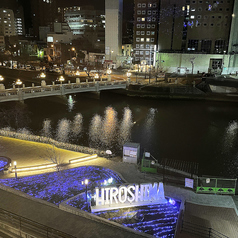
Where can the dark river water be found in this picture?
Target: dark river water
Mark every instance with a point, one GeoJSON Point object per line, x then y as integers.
{"type": "Point", "coordinates": [199, 131]}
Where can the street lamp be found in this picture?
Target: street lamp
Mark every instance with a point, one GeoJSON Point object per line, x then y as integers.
{"type": "Point", "coordinates": [96, 76]}
{"type": "Point", "coordinates": [1, 85]}
{"type": "Point", "coordinates": [109, 153]}
{"type": "Point", "coordinates": [128, 74]}
{"type": "Point", "coordinates": [109, 74]}
{"type": "Point", "coordinates": [15, 166]}
{"type": "Point", "coordinates": [61, 79]}
{"type": "Point", "coordinates": [42, 75]}
{"type": "Point", "coordinates": [85, 182]}
{"type": "Point", "coordinates": [18, 83]}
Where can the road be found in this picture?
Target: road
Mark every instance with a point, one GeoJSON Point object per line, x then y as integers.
{"type": "Point", "coordinates": [31, 76]}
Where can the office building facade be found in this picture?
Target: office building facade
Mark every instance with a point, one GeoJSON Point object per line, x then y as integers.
{"type": "Point", "coordinates": [145, 31]}
{"type": "Point", "coordinates": [113, 29]}
{"type": "Point", "coordinates": [88, 23]}
{"type": "Point", "coordinates": [7, 22]}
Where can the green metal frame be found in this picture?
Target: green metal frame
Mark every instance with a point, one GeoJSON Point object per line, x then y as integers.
{"type": "Point", "coordinates": [217, 189]}
{"type": "Point", "coordinates": [146, 166]}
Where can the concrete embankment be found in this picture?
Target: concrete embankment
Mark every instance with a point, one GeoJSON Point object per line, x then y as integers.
{"type": "Point", "coordinates": [177, 92]}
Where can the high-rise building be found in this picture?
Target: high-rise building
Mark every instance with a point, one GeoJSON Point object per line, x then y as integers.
{"type": "Point", "coordinates": [7, 22]}
{"type": "Point", "coordinates": [19, 21]}
{"type": "Point", "coordinates": [88, 23]}
{"type": "Point", "coordinates": [113, 29]}
{"type": "Point", "coordinates": [44, 13]}
{"type": "Point", "coordinates": [195, 26]}
{"type": "Point", "coordinates": [145, 31]}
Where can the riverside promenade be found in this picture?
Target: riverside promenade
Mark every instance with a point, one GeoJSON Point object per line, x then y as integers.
{"type": "Point", "coordinates": [215, 211]}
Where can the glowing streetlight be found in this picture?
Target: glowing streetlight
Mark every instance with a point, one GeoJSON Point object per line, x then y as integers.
{"type": "Point", "coordinates": [85, 182]}
{"type": "Point", "coordinates": [61, 79]}
{"type": "Point", "coordinates": [77, 73]}
{"type": "Point", "coordinates": [109, 74]}
{"type": "Point", "coordinates": [18, 83]}
{"type": "Point", "coordinates": [109, 71]}
{"type": "Point", "coordinates": [1, 78]}
{"type": "Point", "coordinates": [15, 166]}
{"type": "Point", "coordinates": [42, 75]}
{"type": "Point", "coordinates": [96, 76]}
{"type": "Point", "coordinates": [1, 84]}
{"type": "Point", "coordinates": [128, 74]}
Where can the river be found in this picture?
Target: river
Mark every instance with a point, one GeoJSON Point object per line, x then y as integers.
{"type": "Point", "coordinates": [201, 131]}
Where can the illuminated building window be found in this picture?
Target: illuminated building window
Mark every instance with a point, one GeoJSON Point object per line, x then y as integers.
{"type": "Point", "coordinates": [142, 39]}
{"type": "Point", "coordinates": [142, 19]}
{"type": "Point", "coordinates": [147, 39]}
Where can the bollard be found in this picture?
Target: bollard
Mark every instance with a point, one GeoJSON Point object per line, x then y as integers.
{"type": "Point", "coordinates": [43, 83]}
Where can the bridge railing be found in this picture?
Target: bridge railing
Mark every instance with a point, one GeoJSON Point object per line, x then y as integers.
{"type": "Point", "coordinates": [20, 93]}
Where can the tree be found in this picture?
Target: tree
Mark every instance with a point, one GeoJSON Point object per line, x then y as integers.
{"type": "Point", "coordinates": [52, 155]}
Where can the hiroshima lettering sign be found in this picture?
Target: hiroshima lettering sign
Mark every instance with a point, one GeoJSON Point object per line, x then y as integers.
{"type": "Point", "coordinates": [108, 198]}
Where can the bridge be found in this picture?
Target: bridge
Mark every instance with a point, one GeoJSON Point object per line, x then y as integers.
{"type": "Point", "coordinates": [20, 94]}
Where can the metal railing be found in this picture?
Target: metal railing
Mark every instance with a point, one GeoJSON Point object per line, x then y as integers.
{"type": "Point", "coordinates": [19, 94]}
{"type": "Point", "coordinates": [201, 231]}
{"type": "Point", "coordinates": [20, 225]}
{"type": "Point", "coordinates": [216, 185]}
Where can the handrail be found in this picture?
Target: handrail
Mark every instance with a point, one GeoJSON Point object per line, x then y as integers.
{"type": "Point", "coordinates": [28, 225]}
{"type": "Point", "coordinates": [200, 230]}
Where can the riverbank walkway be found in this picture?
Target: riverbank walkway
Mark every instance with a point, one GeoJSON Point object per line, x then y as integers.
{"type": "Point", "coordinates": [216, 211]}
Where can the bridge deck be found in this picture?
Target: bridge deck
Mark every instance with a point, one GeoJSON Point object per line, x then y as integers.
{"type": "Point", "coordinates": [21, 94]}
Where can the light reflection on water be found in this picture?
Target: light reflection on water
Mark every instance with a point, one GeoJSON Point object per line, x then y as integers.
{"type": "Point", "coordinates": [197, 131]}
{"type": "Point", "coordinates": [70, 103]}
{"type": "Point", "coordinates": [107, 132]}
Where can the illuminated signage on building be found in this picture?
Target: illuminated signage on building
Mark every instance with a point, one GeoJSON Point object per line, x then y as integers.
{"type": "Point", "coordinates": [108, 198]}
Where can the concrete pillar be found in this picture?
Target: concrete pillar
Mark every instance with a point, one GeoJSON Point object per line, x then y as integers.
{"type": "Point", "coordinates": [77, 80]}
{"type": "Point", "coordinates": [43, 83]}
{"type": "Point", "coordinates": [23, 85]}
{"type": "Point", "coordinates": [33, 85]}
{"type": "Point", "coordinates": [109, 77]}
{"type": "Point", "coordinates": [2, 87]}
{"type": "Point", "coordinates": [13, 86]}
{"type": "Point", "coordinates": [69, 82]}
{"type": "Point", "coordinates": [86, 80]}
{"type": "Point", "coordinates": [53, 83]}
{"type": "Point", "coordinates": [194, 84]}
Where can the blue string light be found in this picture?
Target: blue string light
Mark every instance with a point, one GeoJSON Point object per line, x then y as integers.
{"type": "Point", "coordinates": [157, 220]}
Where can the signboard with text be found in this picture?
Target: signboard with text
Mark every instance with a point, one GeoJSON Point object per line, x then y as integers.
{"type": "Point", "coordinates": [108, 198]}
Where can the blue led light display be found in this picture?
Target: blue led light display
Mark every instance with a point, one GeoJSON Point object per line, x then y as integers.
{"type": "Point", "coordinates": [3, 163]}
{"type": "Point", "coordinates": [59, 186]}
{"type": "Point", "coordinates": [157, 220]}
